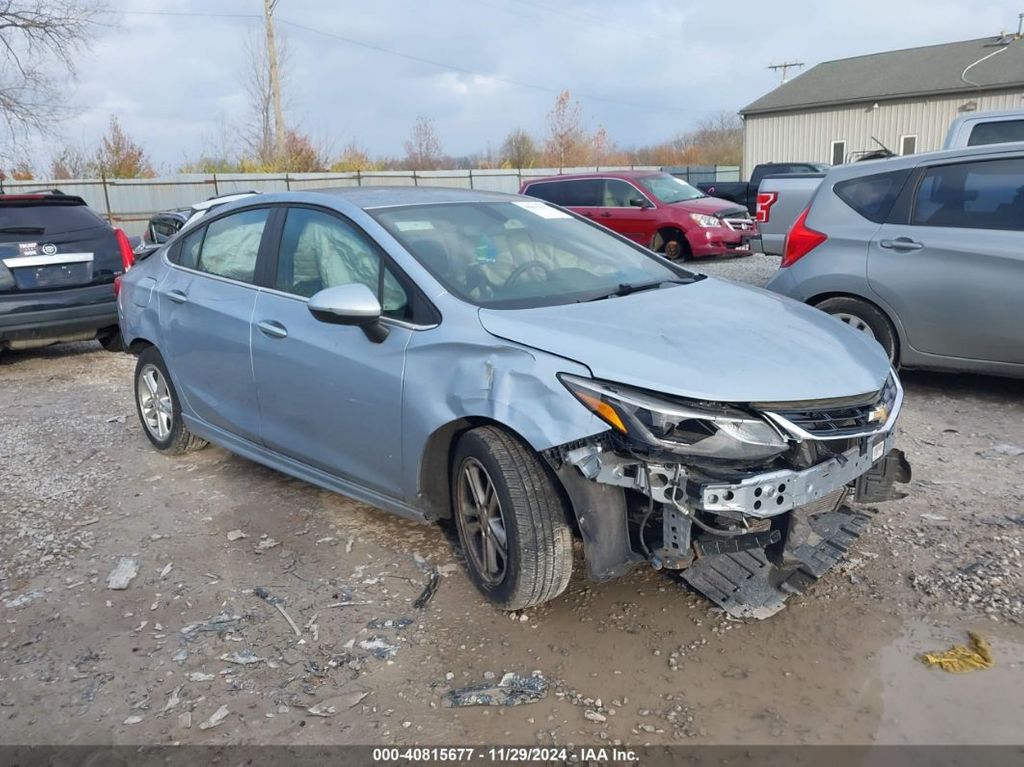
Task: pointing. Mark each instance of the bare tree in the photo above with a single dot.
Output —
(519, 150)
(69, 162)
(717, 140)
(38, 42)
(259, 134)
(423, 149)
(566, 144)
(120, 157)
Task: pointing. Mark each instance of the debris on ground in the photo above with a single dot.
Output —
(266, 544)
(218, 623)
(126, 570)
(512, 690)
(960, 659)
(199, 676)
(389, 623)
(998, 451)
(242, 658)
(433, 581)
(321, 709)
(24, 599)
(236, 535)
(216, 718)
(133, 720)
(379, 648)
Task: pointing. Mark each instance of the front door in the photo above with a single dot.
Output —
(620, 214)
(330, 396)
(953, 273)
(206, 305)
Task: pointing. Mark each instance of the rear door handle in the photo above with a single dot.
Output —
(177, 296)
(901, 243)
(272, 328)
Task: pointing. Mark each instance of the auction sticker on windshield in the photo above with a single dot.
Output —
(543, 210)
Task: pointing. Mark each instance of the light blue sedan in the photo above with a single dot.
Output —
(446, 353)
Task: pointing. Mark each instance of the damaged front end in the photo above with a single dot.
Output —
(748, 500)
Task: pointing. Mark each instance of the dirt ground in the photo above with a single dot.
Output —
(207, 621)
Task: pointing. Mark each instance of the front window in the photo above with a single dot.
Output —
(523, 254)
(668, 188)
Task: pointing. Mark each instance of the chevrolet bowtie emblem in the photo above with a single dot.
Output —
(879, 414)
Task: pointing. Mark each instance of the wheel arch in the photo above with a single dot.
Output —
(434, 487)
(661, 237)
(139, 345)
(901, 339)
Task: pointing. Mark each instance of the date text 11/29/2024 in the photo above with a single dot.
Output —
(498, 754)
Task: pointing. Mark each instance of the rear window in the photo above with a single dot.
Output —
(48, 217)
(873, 196)
(551, 191)
(997, 132)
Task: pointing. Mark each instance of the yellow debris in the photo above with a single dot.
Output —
(960, 659)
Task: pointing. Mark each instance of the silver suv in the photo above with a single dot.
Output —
(924, 253)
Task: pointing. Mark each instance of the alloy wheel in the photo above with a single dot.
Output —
(155, 402)
(483, 525)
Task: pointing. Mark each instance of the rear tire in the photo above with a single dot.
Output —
(111, 341)
(158, 408)
(500, 486)
(866, 318)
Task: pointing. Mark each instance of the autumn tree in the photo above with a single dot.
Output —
(38, 43)
(353, 157)
(423, 148)
(22, 171)
(120, 157)
(519, 150)
(567, 141)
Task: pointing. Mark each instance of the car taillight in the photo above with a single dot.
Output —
(800, 240)
(127, 256)
(765, 200)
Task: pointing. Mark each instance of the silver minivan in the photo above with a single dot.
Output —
(923, 253)
(496, 360)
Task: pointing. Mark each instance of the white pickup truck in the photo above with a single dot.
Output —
(782, 198)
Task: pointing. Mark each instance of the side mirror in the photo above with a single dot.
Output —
(352, 304)
(640, 202)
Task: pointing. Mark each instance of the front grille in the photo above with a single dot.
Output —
(837, 420)
(739, 223)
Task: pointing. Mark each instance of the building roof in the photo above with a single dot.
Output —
(926, 71)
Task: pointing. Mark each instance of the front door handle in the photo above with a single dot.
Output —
(901, 243)
(177, 296)
(272, 328)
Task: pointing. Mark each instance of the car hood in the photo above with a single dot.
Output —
(709, 340)
(710, 205)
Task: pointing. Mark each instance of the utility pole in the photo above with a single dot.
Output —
(785, 67)
(275, 77)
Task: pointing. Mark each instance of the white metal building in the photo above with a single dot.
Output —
(905, 99)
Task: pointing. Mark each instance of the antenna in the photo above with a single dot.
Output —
(786, 66)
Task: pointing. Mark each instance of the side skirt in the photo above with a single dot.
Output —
(290, 466)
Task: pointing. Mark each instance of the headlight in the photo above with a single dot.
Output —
(697, 429)
(708, 222)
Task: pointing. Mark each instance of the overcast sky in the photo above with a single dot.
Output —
(644, 69)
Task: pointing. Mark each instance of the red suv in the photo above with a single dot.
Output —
(654, 209)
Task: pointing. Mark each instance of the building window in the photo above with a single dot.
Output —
(838, 152)
(908, 144)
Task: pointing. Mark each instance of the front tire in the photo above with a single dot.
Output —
(862, 316)
(158, 408)
(511, 520)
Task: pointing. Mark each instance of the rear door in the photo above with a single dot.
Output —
(53, 242)
(206, 306)
(953, 270)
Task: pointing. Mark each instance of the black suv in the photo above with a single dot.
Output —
(58, 265)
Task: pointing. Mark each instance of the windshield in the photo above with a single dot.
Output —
(669, 188)
(524, 254)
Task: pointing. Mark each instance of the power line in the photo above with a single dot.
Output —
(412, 57)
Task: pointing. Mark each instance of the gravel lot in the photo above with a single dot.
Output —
(265, 610)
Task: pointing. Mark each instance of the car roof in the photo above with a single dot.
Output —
(870, 167)
(45, 197)
(626, 175)
(370, 197)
